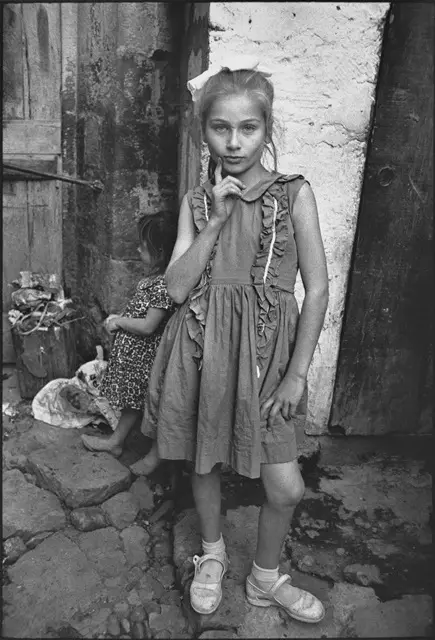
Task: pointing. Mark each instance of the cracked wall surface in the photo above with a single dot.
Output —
(325, 59)
(128, 126)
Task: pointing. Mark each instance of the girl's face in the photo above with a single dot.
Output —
(235, 131)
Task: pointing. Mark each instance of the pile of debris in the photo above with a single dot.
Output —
(39, 303)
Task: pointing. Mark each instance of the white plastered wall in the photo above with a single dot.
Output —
(325, 58)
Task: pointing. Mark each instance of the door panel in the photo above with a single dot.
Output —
(32, 209)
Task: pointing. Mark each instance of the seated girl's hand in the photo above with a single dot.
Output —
(284, 399)
(222, 194)
(111, 323)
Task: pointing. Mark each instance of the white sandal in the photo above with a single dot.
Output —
(206, 597)
(307, 608)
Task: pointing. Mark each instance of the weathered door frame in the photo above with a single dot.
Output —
(383, 382)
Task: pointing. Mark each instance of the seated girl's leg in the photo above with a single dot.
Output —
(114, 443)
(148, 464)
(206, 590)
(284, 488)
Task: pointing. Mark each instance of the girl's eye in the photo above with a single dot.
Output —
(249, 128)
(220, 128)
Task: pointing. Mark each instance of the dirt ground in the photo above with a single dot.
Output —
(90, 550)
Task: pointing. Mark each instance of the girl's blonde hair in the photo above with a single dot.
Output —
(250, 82)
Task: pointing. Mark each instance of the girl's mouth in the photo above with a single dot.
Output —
(233, 159)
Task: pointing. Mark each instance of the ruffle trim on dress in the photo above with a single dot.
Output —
(265, 270)
(198, 299)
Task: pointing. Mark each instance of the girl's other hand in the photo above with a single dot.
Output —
(284, 400)
(222, 192)
(111, 323)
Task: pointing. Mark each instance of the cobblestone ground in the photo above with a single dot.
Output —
(92, 551)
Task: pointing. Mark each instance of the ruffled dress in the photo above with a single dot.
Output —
(131, 358)
(226, 349)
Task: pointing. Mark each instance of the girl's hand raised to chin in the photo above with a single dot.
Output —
(224, 190)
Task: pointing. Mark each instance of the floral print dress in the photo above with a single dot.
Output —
(125, 382)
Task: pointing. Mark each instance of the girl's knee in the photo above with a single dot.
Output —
(287, 496)
(284, 486)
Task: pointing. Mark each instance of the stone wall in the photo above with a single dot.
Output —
(325, 58)
(127, 137)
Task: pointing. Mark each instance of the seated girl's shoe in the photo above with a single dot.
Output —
(206, 587)
(306, 608)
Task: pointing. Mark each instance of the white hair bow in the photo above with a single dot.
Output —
(236, 63)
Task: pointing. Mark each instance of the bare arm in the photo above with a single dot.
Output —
(142, 326)
(190, 254)
(312, 263)
(314, 274)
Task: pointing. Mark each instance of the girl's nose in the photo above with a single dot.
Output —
(233, 141)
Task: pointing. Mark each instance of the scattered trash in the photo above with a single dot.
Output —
(39, 303)
(8, 409)
(73, 403)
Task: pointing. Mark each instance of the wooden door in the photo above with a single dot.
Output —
(32, 211)
(383, 375)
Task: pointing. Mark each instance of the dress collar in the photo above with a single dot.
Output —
(253, 192)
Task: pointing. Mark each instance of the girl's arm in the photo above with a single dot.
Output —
(312, 263)
(141, 326)
(191, 254)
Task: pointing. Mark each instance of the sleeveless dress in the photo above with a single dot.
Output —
(131, 357)
(228, 346)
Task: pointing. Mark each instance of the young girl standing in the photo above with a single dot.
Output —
(229, 379)
(138, 332)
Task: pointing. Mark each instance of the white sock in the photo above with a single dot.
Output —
(267, 577)
(217, 547)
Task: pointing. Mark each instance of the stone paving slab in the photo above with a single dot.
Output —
(48, 585)
(408, 617)
(28, 510)
(121, 509)
(79, 478)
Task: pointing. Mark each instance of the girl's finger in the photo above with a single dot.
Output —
(218, 172)
(232, 191)
(273, 413)
(265, 407)
(235, 181)
(286, 411)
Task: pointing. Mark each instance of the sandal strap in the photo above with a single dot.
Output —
(284, 578)
(198, 561)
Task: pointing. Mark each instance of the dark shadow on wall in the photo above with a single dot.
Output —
(128, 122)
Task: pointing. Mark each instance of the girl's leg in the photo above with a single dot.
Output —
(207, 495)
(206, 589)
(148, 464)
(284, 489)
(113, 444)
